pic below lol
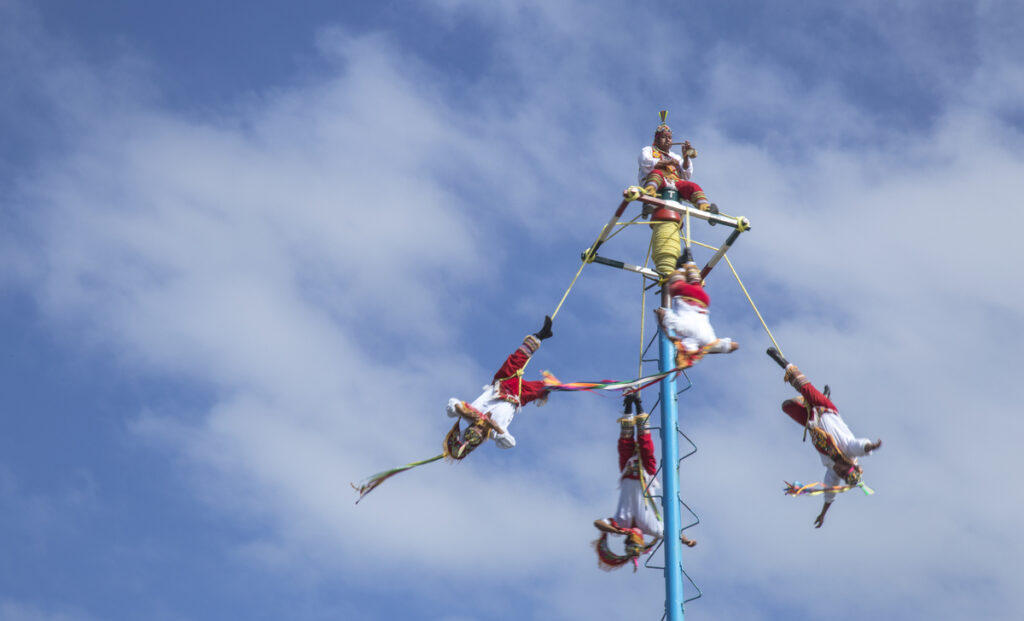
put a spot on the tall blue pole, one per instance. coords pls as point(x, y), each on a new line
point(670, 481)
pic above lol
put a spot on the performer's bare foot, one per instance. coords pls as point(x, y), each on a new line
point(605, 526)
point(733, 346)
point(872, 446)
point(686, 541)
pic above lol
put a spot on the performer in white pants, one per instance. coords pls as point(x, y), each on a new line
point(636, 514)
point(836, 445)
point(508, 391)
point(688, 321)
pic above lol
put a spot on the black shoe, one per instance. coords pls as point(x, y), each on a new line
point(713, 208)
point(686, 257)
point(545, 332)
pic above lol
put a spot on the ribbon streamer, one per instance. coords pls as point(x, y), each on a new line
point(372, 482)
point(553, 383)
point(813, 489)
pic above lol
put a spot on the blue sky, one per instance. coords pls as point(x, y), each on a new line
point(249, 253)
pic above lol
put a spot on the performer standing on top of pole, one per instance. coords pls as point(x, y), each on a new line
point(661, 170)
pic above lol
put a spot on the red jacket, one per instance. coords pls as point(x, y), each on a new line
point(686, 290)
point(813, 397)
point(627, 448)
point(512, 387)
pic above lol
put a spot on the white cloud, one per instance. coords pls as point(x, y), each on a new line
point(307, 259)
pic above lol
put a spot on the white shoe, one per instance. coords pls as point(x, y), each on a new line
point(450, 408)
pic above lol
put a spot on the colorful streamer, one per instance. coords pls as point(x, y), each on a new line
point(816, 488)
point(553, 383)
point(372, 482)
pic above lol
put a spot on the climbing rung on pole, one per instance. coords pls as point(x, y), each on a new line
point(644, 271)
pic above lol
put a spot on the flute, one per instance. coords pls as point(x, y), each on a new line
point(690, 152)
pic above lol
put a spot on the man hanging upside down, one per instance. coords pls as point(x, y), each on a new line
point(837, 447)
point(637, 513)
point(488, 416)
point(687, 321)
point(492, 412)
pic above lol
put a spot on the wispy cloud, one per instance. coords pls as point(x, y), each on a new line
point(330, 261)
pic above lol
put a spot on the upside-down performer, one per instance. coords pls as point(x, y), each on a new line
point(637, 514)
point(489, 415)
point(687, 322)
point(836, 445)
point(660, 170)
point(500, 400)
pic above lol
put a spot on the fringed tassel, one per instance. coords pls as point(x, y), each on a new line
point(374, 481)
point(685, 359)
point(606, 559)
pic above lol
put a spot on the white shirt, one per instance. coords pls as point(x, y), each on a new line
point(850, 445)
point(647, 162)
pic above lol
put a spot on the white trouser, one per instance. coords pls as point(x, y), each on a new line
point(692, 326)
point(634, 511)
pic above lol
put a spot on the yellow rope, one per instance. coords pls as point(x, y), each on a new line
point(749, 299)
point(566, 294)
point(555, 313)
point(742, 287)
point(643, 311)
point(623, 225)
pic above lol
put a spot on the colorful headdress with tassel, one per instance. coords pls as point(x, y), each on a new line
point(664, 126)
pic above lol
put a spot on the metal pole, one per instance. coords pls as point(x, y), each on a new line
point(680, 208)
point(607, 230)
point(721, 251)
point(670, 481)
point(643, 271)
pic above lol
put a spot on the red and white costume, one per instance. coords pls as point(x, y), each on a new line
point(508, 392)
point(688, 320)
point(825, 417)
point(634, 509)
point(678, 178)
